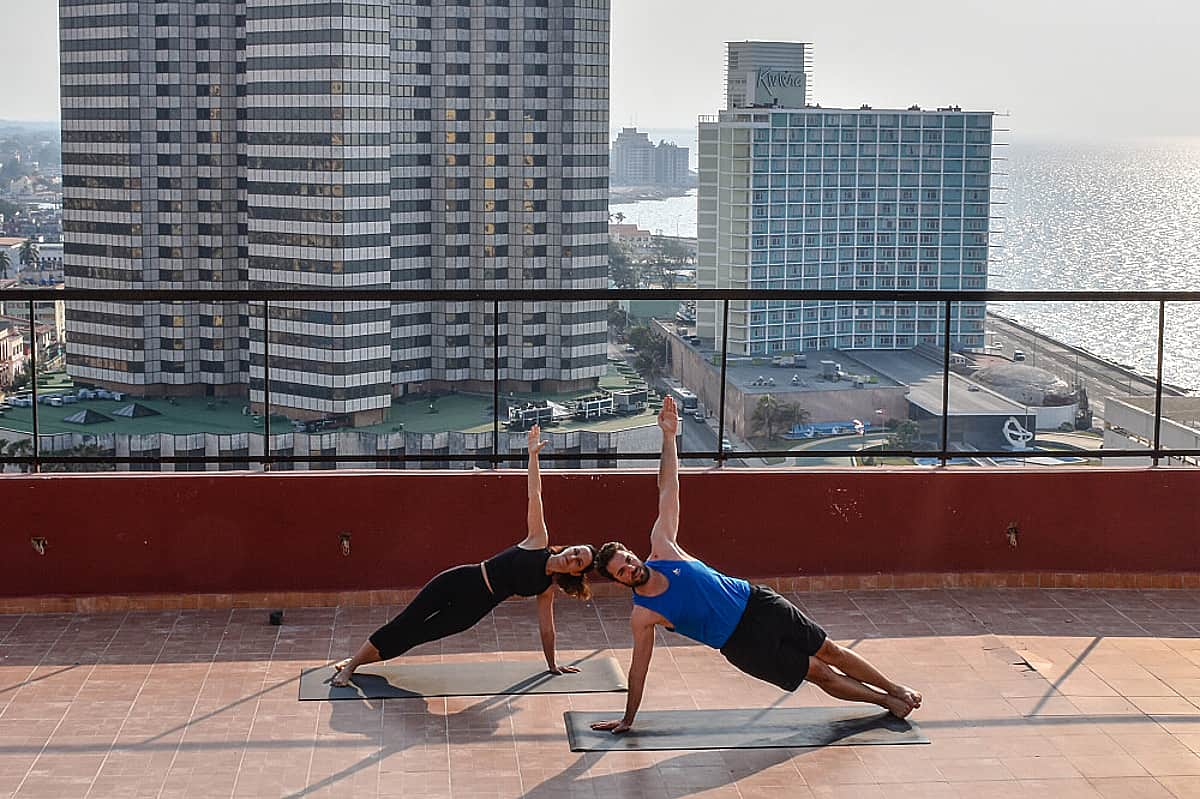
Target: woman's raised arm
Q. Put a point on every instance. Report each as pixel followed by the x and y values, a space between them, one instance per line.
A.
pixel 537 536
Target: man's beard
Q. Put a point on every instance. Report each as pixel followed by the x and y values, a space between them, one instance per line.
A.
pixel 643 577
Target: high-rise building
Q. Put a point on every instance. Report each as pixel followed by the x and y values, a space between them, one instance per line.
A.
pixel 637 161
pixel 671 165
pixel 632 161
pixel 279 143
pixel 768 73
pixel 838 199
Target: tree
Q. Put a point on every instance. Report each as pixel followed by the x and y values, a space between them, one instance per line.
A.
pixel 620 217
pixel 5 263
pixel 650 363
pixel 21 448
pixel 29 253
pixel 620 267
pixel 905 435
pixel 770 415
pixel 617 318
pixel 639 335
pixel 668 250
pixel 82 451
pixel 666 255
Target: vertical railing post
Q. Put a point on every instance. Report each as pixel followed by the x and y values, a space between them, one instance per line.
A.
pixel 1158 384
pixel 495 384
pixel 724 362
pixel 33 467
pixel 943 455
pixel 267 385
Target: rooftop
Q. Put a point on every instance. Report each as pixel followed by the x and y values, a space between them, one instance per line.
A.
pixel 744 375
pixel 1028 692
pixel 181 415
pixel 925 379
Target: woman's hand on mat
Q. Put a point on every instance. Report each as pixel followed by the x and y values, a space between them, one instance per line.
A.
pixel 616 726
pixel 563 669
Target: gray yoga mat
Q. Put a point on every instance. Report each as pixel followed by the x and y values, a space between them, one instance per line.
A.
pixel 763 728
pixel 398 680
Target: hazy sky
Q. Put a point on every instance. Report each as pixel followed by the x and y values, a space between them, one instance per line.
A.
pixel 1061 68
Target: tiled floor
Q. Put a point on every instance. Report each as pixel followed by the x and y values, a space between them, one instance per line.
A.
pixel 1055 693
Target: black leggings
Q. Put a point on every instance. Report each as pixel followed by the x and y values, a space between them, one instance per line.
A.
pixel 453 601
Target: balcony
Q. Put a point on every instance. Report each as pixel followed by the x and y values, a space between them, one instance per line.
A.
pixel 1048 615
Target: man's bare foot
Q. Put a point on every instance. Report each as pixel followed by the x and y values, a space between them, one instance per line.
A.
pixel 342 678
pixel 897 707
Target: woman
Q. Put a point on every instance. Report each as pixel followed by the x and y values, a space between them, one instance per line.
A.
pixel 460 597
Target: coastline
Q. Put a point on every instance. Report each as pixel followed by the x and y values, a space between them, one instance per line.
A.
pixel 621 195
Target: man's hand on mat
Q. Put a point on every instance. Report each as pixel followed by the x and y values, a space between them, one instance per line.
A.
pixel 616 726
pixel 563 669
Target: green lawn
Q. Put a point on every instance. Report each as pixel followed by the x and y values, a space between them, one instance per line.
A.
pixel 189 415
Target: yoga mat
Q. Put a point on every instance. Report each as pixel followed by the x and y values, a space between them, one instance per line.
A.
pixel 764 728
pixel 399 679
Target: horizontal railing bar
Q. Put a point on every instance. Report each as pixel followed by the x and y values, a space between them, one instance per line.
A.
pixel 569 456
pixel 583 295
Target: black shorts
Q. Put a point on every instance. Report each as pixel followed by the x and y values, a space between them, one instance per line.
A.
pixel 773 640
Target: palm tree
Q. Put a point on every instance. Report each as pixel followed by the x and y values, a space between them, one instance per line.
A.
pixel 29 253
pixel 771 415
pixel 5 263
pixel 620 217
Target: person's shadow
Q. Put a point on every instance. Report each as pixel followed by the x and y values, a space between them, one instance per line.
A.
pixel 350 717
pixel 353 716
pixel 673 778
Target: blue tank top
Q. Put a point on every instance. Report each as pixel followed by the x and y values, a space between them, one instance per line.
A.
pixel 700 602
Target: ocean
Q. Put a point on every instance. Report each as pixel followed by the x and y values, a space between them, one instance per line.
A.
pixel 1076 216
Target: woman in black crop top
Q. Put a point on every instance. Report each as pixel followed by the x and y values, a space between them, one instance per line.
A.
pixel 460 597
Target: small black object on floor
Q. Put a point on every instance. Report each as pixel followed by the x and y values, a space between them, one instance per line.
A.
pixel 276 618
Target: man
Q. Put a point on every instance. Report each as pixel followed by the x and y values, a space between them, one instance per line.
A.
pixel 755 628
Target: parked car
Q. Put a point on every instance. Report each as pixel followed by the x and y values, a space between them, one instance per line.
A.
pixel 1018 355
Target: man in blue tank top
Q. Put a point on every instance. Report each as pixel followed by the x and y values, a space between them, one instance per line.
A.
pixel 756 629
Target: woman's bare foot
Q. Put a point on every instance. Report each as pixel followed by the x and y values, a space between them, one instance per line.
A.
pixel 897 707
pixel 342 678
pixel 906 694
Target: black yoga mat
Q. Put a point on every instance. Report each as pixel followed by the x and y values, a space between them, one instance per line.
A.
pixel 763 728
pixel 398 679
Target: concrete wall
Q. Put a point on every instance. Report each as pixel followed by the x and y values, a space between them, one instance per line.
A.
pixel 130 534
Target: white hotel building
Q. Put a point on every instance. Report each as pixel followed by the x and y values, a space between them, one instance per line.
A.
pixel 794 196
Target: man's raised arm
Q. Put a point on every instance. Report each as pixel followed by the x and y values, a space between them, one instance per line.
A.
pixel 666 527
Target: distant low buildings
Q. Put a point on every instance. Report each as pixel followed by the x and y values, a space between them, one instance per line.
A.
pixel 12 353
pixel 631 235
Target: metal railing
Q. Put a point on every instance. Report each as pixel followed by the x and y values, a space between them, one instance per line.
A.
pixel 496 458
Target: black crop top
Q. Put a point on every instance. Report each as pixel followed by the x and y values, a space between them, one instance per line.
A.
pixel 518 571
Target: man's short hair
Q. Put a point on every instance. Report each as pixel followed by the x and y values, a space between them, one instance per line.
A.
pixel 607 553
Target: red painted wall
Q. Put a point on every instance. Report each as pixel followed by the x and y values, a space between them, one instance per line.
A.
pixel 224 533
